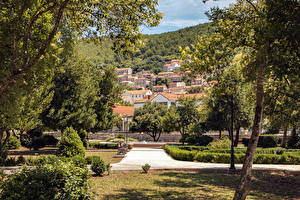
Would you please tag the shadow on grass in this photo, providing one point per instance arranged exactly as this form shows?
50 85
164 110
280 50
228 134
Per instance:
263 183
145 194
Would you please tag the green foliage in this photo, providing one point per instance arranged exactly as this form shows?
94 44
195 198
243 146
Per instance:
223 143
203 154
83 136
150 119
70 144
157 50
98 167
294 141
3 156
50 181
265 141
99 145
202 140
146 168
120 136
13 143
91 159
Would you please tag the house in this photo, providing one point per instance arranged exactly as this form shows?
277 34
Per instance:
198 81
177 90
176 84
135 95
165 74
126 113
174 65
167 99
175 78
122 78
159 88
142 82
122 71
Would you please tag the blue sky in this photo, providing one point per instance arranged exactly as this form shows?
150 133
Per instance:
183 13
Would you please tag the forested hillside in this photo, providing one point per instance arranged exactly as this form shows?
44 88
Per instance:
158 49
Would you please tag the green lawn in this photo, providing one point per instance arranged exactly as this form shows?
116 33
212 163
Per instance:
172 185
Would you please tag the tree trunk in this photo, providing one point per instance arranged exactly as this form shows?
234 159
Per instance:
244 183
220 134
284 139
237 136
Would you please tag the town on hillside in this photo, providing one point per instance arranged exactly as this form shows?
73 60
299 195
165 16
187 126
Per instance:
166 87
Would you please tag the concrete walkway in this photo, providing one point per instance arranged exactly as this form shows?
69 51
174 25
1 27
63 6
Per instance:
159 159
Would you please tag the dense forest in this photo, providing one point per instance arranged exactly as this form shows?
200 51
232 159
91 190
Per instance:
157 50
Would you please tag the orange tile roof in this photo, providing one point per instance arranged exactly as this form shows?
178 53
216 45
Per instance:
138 91
124 110
160 73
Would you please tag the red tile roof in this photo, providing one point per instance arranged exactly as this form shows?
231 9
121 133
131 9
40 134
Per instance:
124 110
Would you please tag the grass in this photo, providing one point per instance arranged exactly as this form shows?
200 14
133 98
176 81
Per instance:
107 157
175 185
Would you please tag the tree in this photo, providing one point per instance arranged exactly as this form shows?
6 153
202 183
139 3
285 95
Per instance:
75 94
187 115
108 95
150 119
33 31
254 27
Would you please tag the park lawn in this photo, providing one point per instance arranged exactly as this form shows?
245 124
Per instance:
107 157
176 185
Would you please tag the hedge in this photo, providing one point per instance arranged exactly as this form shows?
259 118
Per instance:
265 141
224 157
98 145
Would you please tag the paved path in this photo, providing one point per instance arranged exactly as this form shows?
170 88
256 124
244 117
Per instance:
158 159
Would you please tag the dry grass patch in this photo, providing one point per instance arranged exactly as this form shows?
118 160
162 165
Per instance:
107 157
172 185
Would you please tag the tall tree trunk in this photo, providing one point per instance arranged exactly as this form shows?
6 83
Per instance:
220 134
237 136
284 139
244 183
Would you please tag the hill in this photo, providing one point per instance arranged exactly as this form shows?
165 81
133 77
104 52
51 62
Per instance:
159 48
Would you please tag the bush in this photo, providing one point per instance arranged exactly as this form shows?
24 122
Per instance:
11 161
58 181
38 142
50 140
202 140
21 160
26 141
99 167
223 143
294 141
3 156
91 159
120 136
264 141
13 143
83 136
98 145
146 168
70 144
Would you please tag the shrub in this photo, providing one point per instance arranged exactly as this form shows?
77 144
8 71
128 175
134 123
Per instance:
294 141
83 136
223 143
58 181
91 159
264 141
11 161
70 144
26 141
50 140
120 136
202 140
21 160
146 168
3 156
13 143
99 167
98 145
38 142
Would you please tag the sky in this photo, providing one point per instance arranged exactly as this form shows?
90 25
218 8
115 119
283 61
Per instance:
179 14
